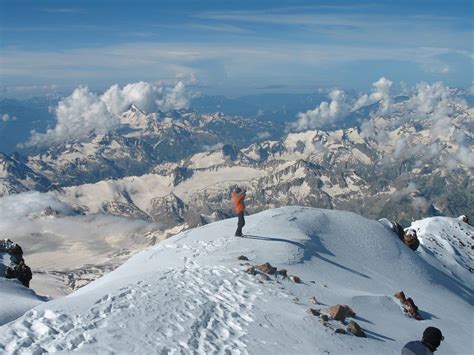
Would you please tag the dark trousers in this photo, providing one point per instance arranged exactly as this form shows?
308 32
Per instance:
240 224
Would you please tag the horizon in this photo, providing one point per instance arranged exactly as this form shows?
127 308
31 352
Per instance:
233 48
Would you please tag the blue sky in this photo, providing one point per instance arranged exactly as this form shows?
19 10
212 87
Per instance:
234 47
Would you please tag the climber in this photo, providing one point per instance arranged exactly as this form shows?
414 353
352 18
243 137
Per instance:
238 196
432 338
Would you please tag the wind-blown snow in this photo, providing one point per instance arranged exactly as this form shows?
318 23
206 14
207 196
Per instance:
190 294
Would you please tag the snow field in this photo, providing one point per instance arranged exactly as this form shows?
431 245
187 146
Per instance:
190 295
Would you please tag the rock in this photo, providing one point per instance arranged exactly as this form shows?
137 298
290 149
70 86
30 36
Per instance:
264 277
313 300
295 279
411 240
243 257
314 312
401 296
266 268
282 272
324 317
251 270
340 312
355 329
16 269
408 305
464 218
340 331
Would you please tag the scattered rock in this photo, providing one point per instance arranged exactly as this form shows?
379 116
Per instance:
251 270
355 329
243 257
408 305
340 312
266 268
313 300
295 279
340 331
314 312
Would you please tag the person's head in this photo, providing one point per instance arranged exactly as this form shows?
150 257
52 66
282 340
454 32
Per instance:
433 337
237 190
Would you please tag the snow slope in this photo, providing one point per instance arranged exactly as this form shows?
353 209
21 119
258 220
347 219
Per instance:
190 294
448 244
20 299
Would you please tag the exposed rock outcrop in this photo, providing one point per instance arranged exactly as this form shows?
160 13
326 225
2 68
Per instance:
13 265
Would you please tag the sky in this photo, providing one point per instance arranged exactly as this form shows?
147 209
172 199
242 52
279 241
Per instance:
234 47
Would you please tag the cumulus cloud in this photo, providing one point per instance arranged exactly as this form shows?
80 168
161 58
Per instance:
325 114
381 93
76 116
340 106
6 117
84 111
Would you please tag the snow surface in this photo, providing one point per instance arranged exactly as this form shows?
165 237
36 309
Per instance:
447 243
16 299
190 294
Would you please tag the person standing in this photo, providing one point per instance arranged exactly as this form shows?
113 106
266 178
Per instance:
432 338
238 196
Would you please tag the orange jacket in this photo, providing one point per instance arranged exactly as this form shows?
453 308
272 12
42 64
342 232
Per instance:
238 200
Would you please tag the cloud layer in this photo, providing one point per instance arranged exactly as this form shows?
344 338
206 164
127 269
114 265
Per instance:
435 108
84 112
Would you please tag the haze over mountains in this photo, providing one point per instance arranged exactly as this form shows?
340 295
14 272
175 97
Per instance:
109 161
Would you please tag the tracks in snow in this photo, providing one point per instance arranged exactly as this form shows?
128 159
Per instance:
192 309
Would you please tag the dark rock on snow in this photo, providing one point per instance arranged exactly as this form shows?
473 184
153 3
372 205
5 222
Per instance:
355 329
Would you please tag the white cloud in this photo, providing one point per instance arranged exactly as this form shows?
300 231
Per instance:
76 116
6 117
325 114
84 111
173 98
381 93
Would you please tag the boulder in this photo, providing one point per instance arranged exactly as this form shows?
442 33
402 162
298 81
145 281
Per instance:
295 279
340 331
251 270
243 257
324 318
409 306
355 329
314 312
401 296
282 272
411 239
266 268
313 300
340 312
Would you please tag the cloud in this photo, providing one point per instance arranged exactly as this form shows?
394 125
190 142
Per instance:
339 107
84 112
24 222
325 114
381 93
6 117
76 116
